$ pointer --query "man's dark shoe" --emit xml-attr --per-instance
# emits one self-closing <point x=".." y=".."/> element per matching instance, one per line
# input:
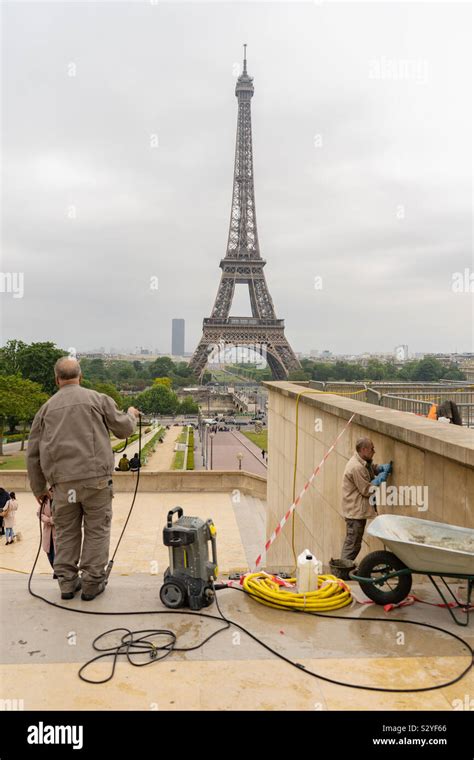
<point x="70" y="594"/>
<point x="88" y="597"/>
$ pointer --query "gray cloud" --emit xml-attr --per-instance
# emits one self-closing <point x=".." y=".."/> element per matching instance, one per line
<point x="81" y="145"/>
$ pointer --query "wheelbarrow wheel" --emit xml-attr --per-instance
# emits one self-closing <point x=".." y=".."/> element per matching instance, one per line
<point x="393" y="590"/>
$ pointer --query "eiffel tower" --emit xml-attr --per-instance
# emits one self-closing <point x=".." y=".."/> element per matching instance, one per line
<point x="262" y="332"/>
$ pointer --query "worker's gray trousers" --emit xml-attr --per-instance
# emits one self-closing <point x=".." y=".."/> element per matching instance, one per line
<point x="77" y="506"/>
<point x="354" y="534"/>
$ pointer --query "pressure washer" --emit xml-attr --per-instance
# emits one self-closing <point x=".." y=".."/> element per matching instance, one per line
<point x="189" y="579"/>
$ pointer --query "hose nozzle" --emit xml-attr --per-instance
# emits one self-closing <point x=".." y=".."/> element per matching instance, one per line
<point x="108" y="571"/>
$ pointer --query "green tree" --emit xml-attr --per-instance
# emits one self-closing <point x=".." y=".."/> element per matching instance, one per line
<point x="321" y="371"/>
<point x="161" y="367"/>
<point x="19" y="398"/>
<point x="158" y="400"/>
<point x="188" y="406"/>
<point x="35" y="362"/>
<point x="299" y="374"/>
<point x="120" y="370"/>
<point x="10" y="363"/>
<point x="95" y="369"/>
<point x="165" y="381"/>
<point x="391" y="371"/>
<point x="110" y="390"/>
<point x="375" y="370"/>
<point x="453" y="373"/>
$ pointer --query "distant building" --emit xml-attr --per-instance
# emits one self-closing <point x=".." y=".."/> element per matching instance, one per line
<point x="401" y="353"/>
<point x="177" y="337"/>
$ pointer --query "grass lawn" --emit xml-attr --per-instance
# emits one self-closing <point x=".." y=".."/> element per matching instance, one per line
<point x="14" y="461"/>
<point x="182" y="437"/>
<point x="259" y="439"/>
<point x="178" y="459"/>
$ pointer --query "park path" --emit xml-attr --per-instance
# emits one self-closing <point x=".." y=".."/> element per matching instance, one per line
<point x="133" y="447"/>
<point x="225" y="447"/>
<point x="162" y="458"/>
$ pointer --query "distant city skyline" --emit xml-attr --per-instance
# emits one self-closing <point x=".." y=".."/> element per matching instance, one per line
<point x="320" y="356"/>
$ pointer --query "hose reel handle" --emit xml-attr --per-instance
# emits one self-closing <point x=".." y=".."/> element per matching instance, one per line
<point x="178" y="510"/>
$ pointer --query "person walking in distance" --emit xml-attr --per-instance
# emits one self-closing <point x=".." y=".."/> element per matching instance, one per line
<point x="69" y="449"/>
<point x="9" y="518"/>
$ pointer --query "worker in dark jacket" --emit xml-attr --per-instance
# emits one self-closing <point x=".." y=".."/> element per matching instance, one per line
<point x="69" y="450"/>
<point x="135" y="463"/>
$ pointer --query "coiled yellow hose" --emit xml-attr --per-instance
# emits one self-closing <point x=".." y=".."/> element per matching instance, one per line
<point x="332" y="593"/>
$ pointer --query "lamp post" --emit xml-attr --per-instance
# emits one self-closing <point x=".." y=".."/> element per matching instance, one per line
<point x="240" y="456"/>
<point x="201" y="437"/>
<point x="205" y="448"/>
<point x="211" y="435"/>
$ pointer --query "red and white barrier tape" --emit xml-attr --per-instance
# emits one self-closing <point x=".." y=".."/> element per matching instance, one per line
<point x="292" y="508"/>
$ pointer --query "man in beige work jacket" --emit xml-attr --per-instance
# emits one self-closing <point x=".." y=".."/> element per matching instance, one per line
<point x="356" y="491"/>
<point x="69" y="448"/>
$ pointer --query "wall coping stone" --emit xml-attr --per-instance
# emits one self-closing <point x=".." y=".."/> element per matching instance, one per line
<point x="449" y="441"/>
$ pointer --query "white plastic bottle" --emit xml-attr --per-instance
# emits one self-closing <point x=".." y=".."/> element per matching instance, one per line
<point x="307" y="570"/>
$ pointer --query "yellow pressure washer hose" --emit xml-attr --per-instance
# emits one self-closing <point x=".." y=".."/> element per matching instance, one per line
<point x="331" y="594"/>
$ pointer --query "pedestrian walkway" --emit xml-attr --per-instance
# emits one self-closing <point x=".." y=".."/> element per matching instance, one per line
<point x="132" y="448"/>
<point x="225" y="447"/>
<point x="162" y="457"/>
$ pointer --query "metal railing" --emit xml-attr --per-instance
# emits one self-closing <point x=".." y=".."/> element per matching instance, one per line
<point x="417" y="397"/>
<point x="244" y="321"/>
<point x="422" y="407"/>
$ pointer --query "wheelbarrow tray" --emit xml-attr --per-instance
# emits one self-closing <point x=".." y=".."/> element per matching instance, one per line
<point x="425" y="546"/>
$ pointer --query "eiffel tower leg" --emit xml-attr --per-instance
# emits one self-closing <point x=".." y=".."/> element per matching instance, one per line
<point x="281" y="359"/>
<point x="200" y="357"/>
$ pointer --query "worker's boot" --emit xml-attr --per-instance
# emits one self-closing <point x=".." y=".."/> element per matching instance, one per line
<point x="70" y="594"/>
<point x="90" y="595"/>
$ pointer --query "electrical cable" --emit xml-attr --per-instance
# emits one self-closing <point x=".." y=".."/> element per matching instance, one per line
<point x="400" y="621"/>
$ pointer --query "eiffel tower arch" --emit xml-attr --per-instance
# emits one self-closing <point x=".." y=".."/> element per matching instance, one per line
<point x="243" y="264"/>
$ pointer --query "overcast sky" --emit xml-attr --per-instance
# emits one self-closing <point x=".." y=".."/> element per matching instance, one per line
<point x="362" y="121"/>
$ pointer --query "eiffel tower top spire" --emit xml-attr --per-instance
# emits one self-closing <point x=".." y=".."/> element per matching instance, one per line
<point x="244" y="82"/>
<point x="243" y="239"/>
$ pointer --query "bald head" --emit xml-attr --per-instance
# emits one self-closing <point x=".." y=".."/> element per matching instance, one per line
<point x="67" y="370"/>
<point x="365" y="448"/>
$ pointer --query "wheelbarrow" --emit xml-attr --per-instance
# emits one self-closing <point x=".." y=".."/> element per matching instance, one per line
<point x="417" y="546"/>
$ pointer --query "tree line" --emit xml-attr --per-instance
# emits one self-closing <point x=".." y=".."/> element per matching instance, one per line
<point x="27" y="381"/>
<point x="428" y="369"/>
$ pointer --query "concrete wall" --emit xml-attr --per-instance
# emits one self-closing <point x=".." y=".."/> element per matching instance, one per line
<point x="424" y="452"/>
<point x="169" y="481"/>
